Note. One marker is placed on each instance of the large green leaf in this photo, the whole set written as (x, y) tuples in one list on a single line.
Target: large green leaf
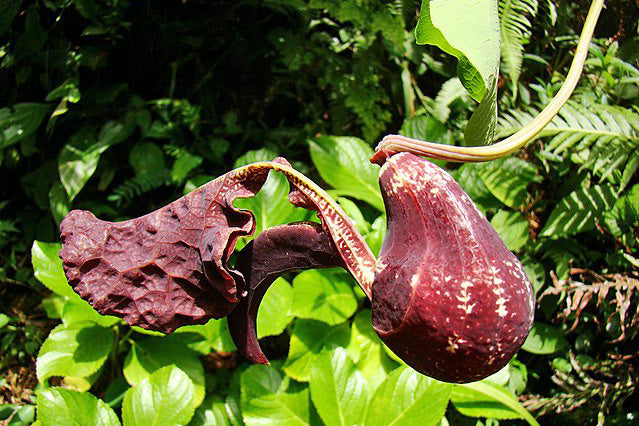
[(216, 333), (408, 398), (274, 313), (446, 25), (166, 397), (153, 353), (78, 161), (307, 340), (578, 211), (323, 296), (76, 350), (338, 389), (20, 121), (485, 399), (79, 311), (368, 352), (271, 206), (344, 163), (47, 267), (58, 406), (544, 339), (267, 398)]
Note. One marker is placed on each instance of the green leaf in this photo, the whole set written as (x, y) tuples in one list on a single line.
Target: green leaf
[(446, 25), (59, 202), (58, 406), (482, 124), (166, 397), (307, 340), (343, 162), (20, 121), (271, 206), (153, 353), (625, 212), (544, 339), (484, 399), (338, 390), (578, 211), (267, 398), (76, 350), (184, 163), (8, 11), (79, 311), (323, 296), (274, 313), (368, 351), (512, 227), (468, 178), (216, 333), (212, 412), (146, 157), (47, 267), (408, 398), (78, 161)]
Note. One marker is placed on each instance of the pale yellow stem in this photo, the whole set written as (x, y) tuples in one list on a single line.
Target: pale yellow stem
[(392, 144)]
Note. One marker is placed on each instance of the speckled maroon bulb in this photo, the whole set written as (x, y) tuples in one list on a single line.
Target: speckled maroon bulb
[(449, 298)]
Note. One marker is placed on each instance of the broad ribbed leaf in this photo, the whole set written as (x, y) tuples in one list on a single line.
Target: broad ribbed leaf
[(307, 340), (47, 268), (323, 296), (216, 333), (368, 352), (268, 399), (337, 388), (58, 406), (76, 350), (484, 399), (578, 211), (274, 313), (343, 163), (408, 398), (446, 24), (151, 354), (270, 206), (167, 397)]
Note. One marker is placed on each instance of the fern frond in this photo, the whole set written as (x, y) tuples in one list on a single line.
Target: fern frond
[(514, 27), (450, 90), (605, 136), (138, 185)]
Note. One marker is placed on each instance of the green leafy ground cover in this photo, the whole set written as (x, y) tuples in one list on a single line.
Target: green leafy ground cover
[(122, 106)]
